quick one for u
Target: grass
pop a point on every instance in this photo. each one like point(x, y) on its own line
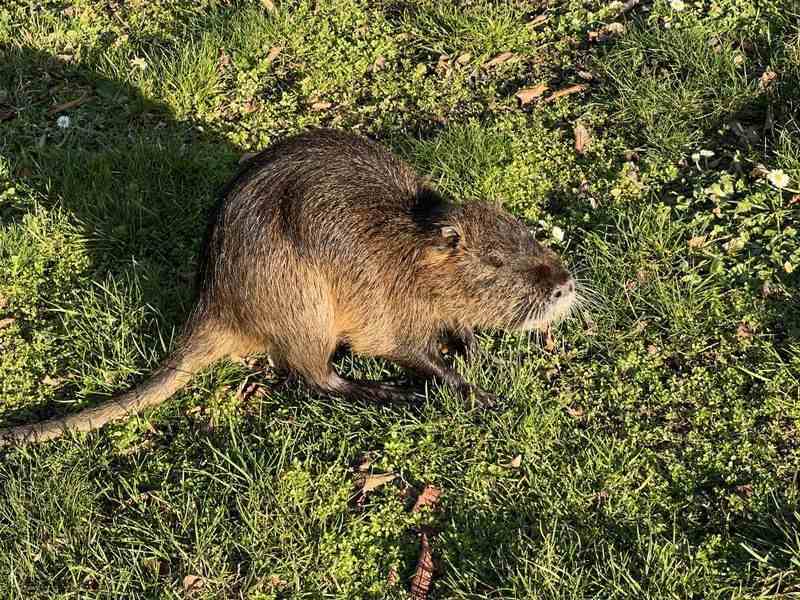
point(659, 441)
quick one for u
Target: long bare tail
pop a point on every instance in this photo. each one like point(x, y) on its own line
point(198, 351)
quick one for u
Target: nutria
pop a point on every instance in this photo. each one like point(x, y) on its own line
point(327, 239)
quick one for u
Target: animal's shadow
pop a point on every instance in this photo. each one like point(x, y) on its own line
point(138, 181)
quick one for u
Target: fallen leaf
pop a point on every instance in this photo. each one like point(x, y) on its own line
point(744, 332)
point(536, 22)
point(250, 106)
point(192, 584)
point(379, 63)
point(393, 577)
point(514, 463)
point(615, 28)
point(273, 54)
point(745, 490)
point(652, 349)
point(321, 105)
point(582, 138)
point(277, 583)
point(52, 381)
point(767, 78)
point(529, 94)
point(7, 322)
point(573, 89)
point(607, 32)
point(429, 497)
point(499, 59)
point(464, 58)
point(224, 59)
point(374, 481)
point(247, 156)
point(549, 342)
point(586, 75)
point(421, 582)
point(575, 412)
point(697, 241)
point(68, 105)
point(269, 5)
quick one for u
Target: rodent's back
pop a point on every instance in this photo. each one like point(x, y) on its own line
point(324, 208)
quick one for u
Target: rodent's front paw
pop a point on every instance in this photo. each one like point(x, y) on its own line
point(485, 400)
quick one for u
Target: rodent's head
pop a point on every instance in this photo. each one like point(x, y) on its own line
point(505, 278)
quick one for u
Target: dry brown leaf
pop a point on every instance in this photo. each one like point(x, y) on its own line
point(321, 105)
point(652, 349)
point(767, 78)
point(247, 156)
point(573, 89)
point(529, 94)
point(379, 63)
point(429, 497)
point(421, 582)
point(192, 584)
point(744, 332)
point(250, 106)
point(575, 412)
point(549, 342)
point(374, 481)
point(7, 322)
point(224, 59)
point(499, 59)
point(697, 241)
point(586, 75)
point(68, 105)
point(269, 5)
point(277, 583)
point(536, 22)
point(3, 299)
point(745, 490)
point(273, 53)
point(515, 462)
point(583, 138)
point(393, 577)
point(464, 58)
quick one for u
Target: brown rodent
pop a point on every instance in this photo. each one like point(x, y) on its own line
point(327, 239)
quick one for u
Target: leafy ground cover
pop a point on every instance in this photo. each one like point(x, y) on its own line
point(652, 451)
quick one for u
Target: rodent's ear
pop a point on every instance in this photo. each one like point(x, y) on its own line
point(451, 235)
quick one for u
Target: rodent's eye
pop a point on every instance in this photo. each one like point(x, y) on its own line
point(494, 260)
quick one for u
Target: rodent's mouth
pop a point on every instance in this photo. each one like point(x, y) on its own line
point(557, 308)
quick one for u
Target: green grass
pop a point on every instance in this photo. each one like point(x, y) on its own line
point(659, 440)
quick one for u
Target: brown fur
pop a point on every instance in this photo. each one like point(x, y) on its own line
point(327, 239)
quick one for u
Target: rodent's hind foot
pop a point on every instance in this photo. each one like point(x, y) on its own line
point(370, 391)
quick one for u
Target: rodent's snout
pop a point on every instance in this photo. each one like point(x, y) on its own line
point(563, 290)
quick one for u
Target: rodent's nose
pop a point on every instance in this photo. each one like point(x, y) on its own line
point(563, 289)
